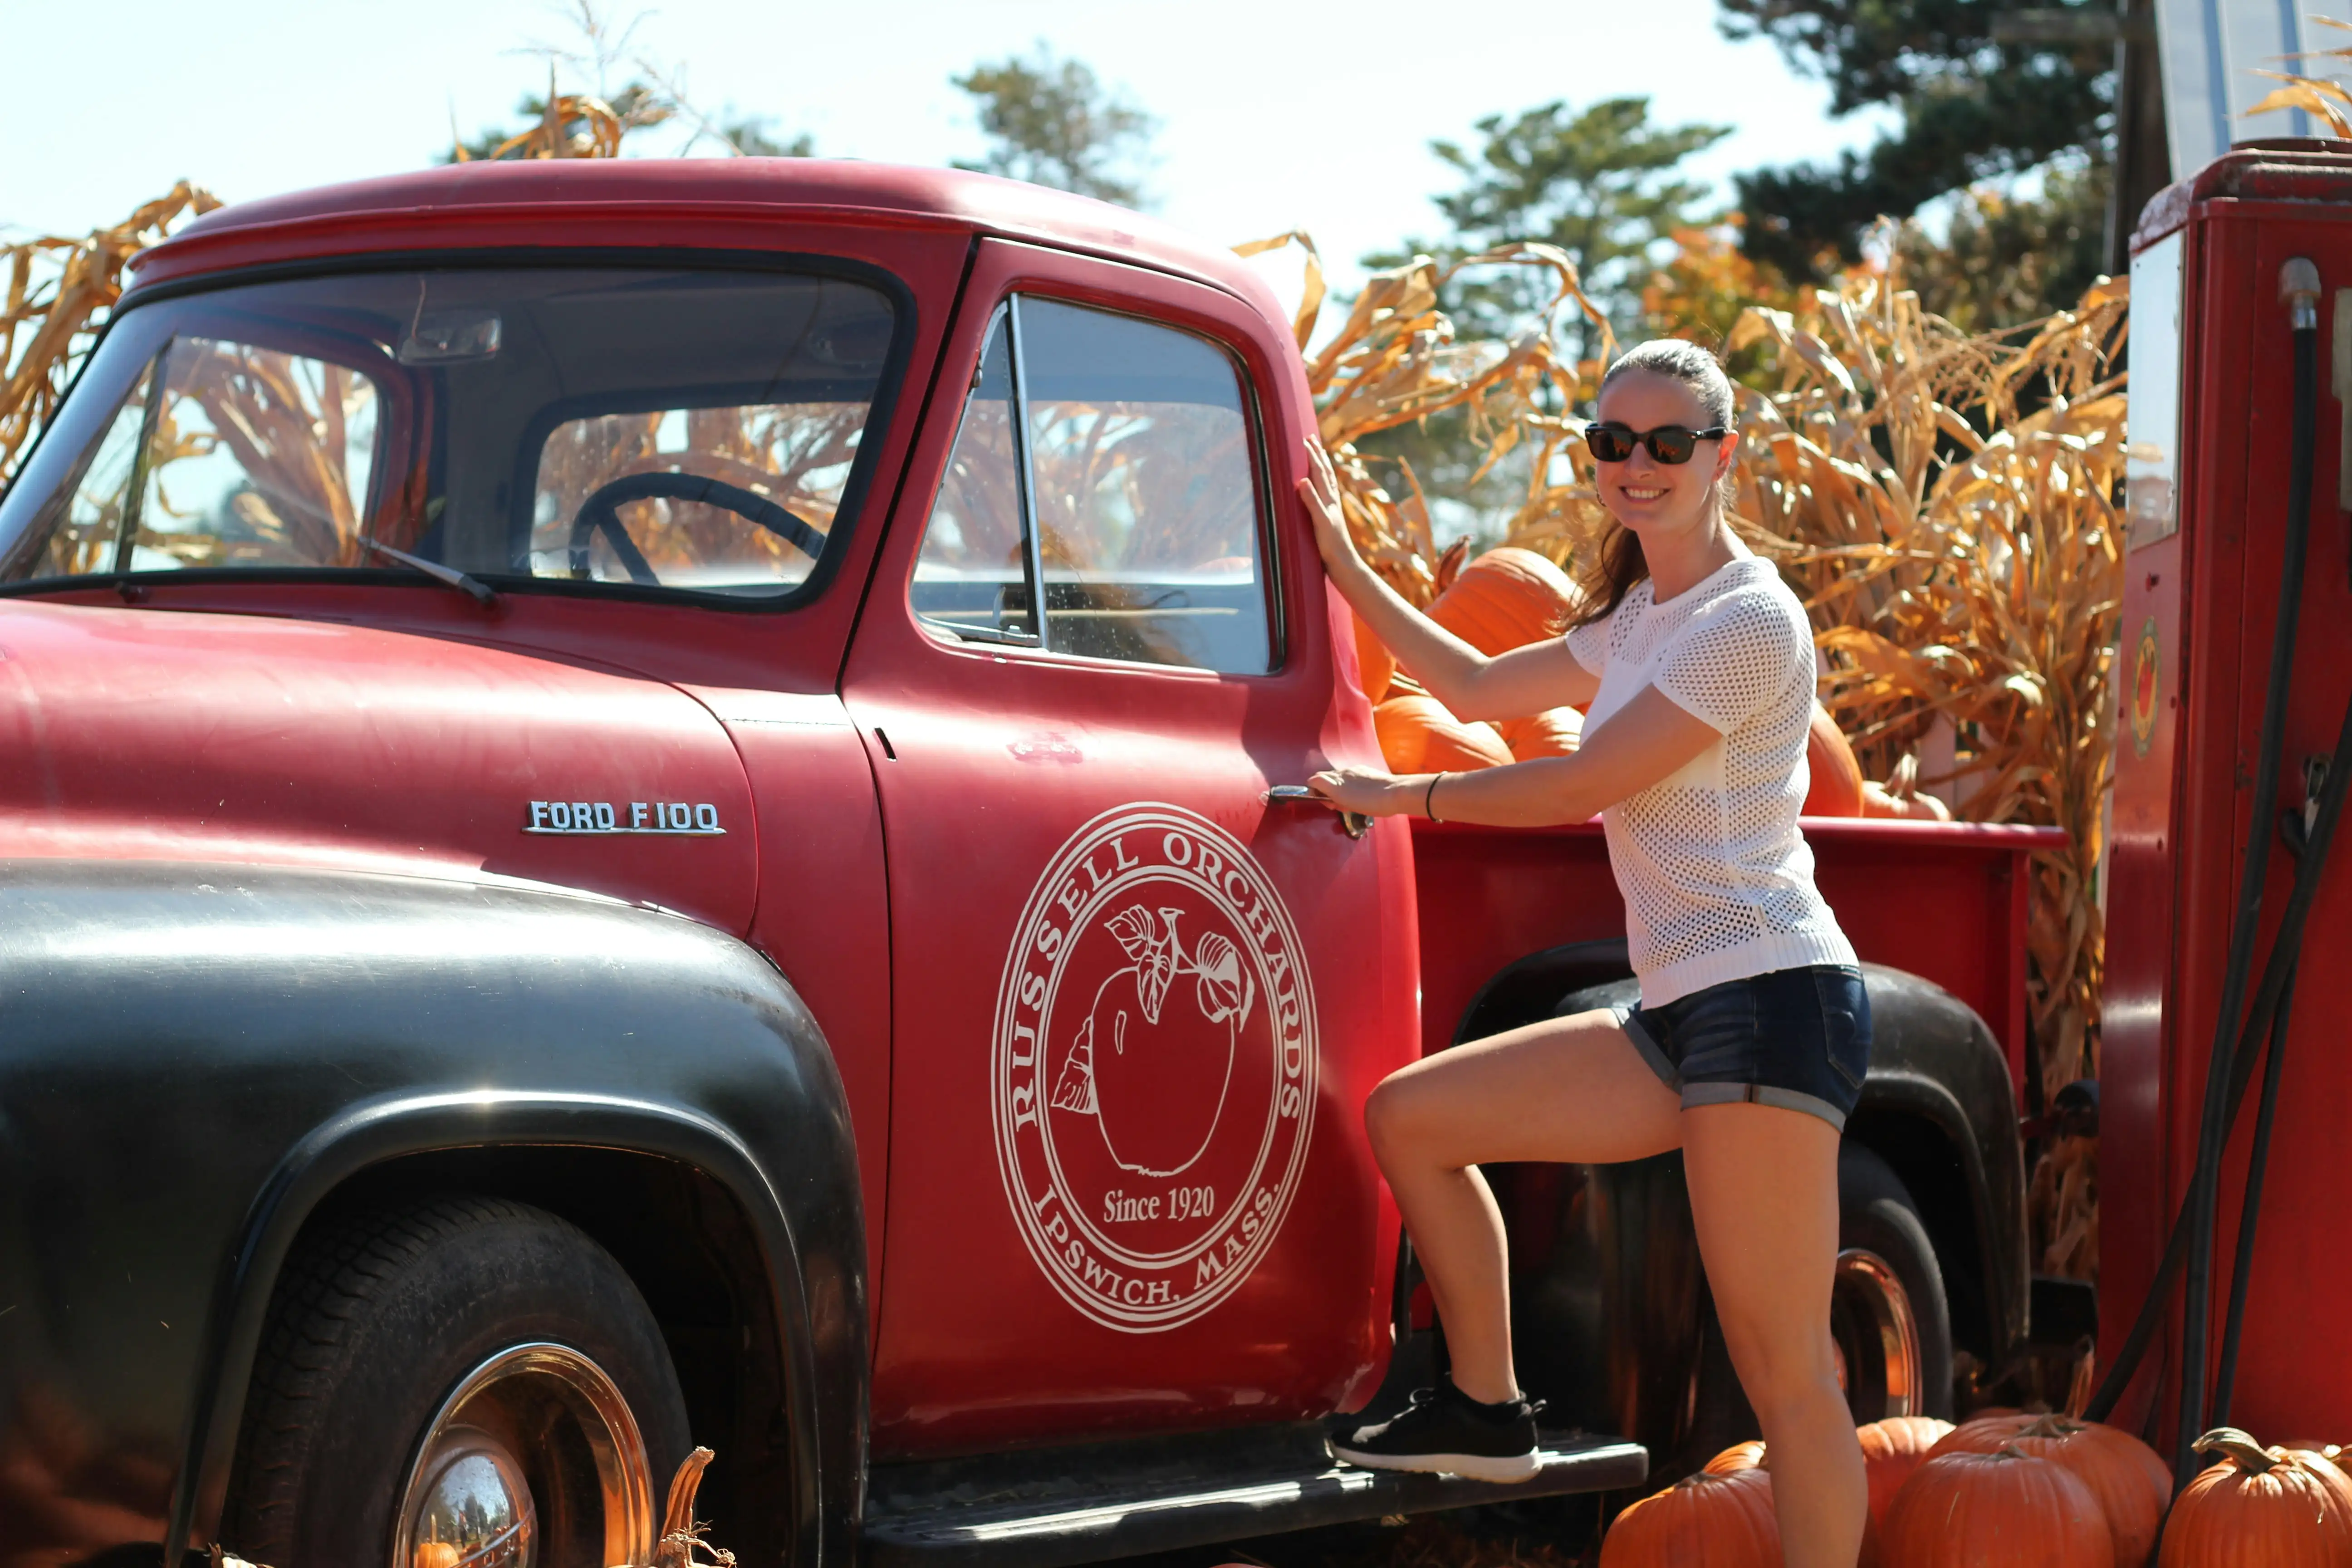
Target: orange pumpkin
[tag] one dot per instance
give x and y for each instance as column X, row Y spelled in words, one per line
column 1418, row 736
column 1554, row 732
column 1706, row 1521
column 1878, row 801
column 1835, row 789
column 1891, row 1450
column 2002, row 1510
column 1506, row 598
column 2260, row 1507
column 1375, row 665
column 2130, row 1482
column 1748, row 1456
column 438, row 1554
column 2332, row 1452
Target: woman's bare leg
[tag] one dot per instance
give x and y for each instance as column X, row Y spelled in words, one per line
column 1763, row 1187
column 1569, row 1089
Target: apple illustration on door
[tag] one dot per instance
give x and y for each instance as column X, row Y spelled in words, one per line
column 1153, row 1060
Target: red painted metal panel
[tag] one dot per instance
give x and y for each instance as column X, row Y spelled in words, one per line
column 1014, row 785
column 1491, row 896
column 2182, row 814
column 824, row 905
column 134, row 734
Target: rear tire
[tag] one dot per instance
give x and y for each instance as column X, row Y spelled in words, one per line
column 1888, row 1317
column 1886, row 1273
column 504, row 1335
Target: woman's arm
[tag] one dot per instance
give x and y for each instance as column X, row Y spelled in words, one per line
column 1473, row 685
column 1647, row 740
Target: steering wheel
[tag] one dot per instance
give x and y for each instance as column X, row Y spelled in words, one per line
column 601, row 513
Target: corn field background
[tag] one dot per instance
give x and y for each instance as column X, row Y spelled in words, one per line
column 1945, row 503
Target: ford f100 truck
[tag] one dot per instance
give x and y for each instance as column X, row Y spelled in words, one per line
column 642, row 807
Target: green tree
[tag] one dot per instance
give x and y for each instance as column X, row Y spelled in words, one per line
column 1977, row 109
column 755, row 136
column 1051, row 122
column 2012, row 253
column 1606, row 185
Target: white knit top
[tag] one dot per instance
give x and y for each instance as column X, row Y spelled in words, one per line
column 1718, row 882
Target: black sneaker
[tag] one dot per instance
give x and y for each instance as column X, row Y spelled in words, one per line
column 1445, row 1431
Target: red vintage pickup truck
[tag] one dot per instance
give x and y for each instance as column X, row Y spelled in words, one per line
column 639, row 811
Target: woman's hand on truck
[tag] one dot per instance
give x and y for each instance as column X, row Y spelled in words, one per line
column 1472, row 686
column 1320, row 491
column 1370, row 791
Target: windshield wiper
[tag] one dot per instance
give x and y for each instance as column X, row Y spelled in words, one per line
column 482, row 592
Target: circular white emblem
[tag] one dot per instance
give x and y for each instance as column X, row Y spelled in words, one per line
column 1154, row 1068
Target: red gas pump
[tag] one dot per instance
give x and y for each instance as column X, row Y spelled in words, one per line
column 2221, row 1073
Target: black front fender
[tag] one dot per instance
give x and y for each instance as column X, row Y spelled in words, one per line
column 193, row 1058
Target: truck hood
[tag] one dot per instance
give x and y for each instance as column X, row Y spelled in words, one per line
column 147, row 734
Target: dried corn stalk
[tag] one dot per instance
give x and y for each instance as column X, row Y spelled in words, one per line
column 1955, row 574
column 59, row 292
column 575, row 125
column 1394, row 360
column 2314, row 95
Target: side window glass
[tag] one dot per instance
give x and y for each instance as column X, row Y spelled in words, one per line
column 86, row 538
column 1109, row 457
column 1145, row 503
column 255, row 457
column 972, row 575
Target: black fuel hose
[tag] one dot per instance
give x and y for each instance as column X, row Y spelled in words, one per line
column 2250, row 1212
column 2267, row 998
column 2191, row 1243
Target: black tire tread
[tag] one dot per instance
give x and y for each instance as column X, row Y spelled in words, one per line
column 332, row 1273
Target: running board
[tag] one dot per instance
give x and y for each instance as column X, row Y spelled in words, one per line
column 1046, row 1507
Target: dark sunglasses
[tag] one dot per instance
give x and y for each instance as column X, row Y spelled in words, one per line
column 1669, row 444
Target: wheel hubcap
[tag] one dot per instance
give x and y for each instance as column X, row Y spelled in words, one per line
column 1877, row 1337
column 476, row 1510
column 532, row 1461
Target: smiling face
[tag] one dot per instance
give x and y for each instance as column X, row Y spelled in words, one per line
column 1658, row 499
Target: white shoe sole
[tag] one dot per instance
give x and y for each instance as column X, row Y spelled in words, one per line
column 1477, row 1467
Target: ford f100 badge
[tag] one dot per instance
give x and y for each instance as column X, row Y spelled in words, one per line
column 677, row 818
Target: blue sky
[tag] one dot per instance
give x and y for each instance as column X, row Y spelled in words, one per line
column 1274, row 115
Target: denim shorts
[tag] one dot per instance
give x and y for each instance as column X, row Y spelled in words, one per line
column 1797, row 1038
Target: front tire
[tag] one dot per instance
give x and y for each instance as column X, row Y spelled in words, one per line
column 458, row 1367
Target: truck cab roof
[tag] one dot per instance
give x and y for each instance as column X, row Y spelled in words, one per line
column 688, row 203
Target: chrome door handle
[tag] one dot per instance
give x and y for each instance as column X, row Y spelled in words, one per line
column 1354, row 822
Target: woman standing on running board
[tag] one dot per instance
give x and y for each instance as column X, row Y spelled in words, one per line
column 1748, row 1046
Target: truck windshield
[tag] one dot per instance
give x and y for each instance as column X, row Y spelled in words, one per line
column 698, row 432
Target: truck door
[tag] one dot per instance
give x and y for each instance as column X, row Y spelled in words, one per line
column 1138, row 1009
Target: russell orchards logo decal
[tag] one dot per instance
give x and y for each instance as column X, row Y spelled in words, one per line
column 1154, row 1068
